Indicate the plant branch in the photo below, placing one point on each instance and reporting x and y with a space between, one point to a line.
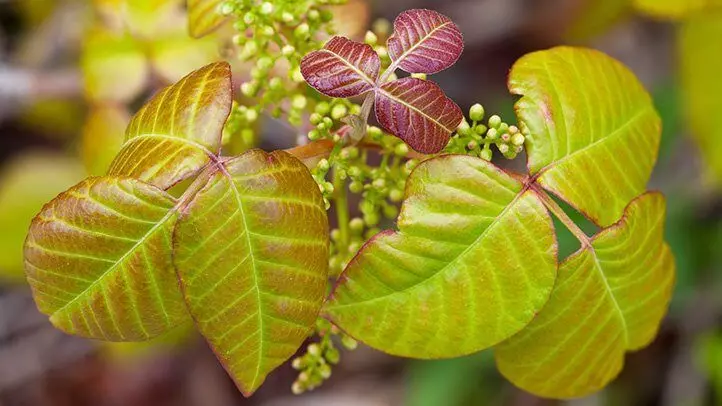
559 213
342 215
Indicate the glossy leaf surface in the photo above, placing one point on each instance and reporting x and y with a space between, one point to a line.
343 68
473 261
418 112
178 131
594 131
203 17
700 66
425 41
609 299
252 254
98 259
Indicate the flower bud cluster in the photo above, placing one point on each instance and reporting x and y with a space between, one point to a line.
315 365
475 138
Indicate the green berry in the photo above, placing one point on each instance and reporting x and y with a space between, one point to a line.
356 225
485 154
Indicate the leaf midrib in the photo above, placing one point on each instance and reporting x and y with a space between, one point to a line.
418 44
358 71
120 260
412 107
441 271
256 278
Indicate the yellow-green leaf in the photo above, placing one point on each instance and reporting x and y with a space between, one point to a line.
203 17
179 130
700 59
26 183
609 298
676 9
251 251
102 136
114 66
176 54
473 261
98 259
594 132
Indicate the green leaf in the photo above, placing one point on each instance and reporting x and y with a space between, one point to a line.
700 65
594 132
676 9
609 298
107 54
203 17
98 259
179 130
251 250
473 261
26 183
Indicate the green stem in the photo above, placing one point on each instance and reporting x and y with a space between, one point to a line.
562 216
342 214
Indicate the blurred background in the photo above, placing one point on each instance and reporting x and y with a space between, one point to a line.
69 80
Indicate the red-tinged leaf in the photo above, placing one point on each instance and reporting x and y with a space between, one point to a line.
418 112
425 41
343 68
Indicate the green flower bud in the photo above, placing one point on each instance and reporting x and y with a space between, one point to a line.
297 363
264 63
313 135
503 128
288 50
401 149
383 53
371 232
249 89
287 17
323 108
476 112
302 31
275 83
249 18
313 15
518 139
382 27
374 132
472 145
371 219
371 38
226 8
297 388
494 121
485 154
332 355
325 371
396 195
492 134
463 128
251 115
356 225
421 76
513 129
249 50
248 136
326 15
296 75
339 111
299 102
315 118
379 183
480 129
323 165
518 148
349 343
268 31
349 153
354 172
391 211
504 148
356 187
314 349
328 187
266 8
506 137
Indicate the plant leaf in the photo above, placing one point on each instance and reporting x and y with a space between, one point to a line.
676 9
98 260
473 261
110 55
343 68
701 87
203 17
418 112
27 182
594 130
251 251
425 41
609 298
179 130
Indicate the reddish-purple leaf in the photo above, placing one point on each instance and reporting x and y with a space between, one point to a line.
418 112
424 41
343 68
